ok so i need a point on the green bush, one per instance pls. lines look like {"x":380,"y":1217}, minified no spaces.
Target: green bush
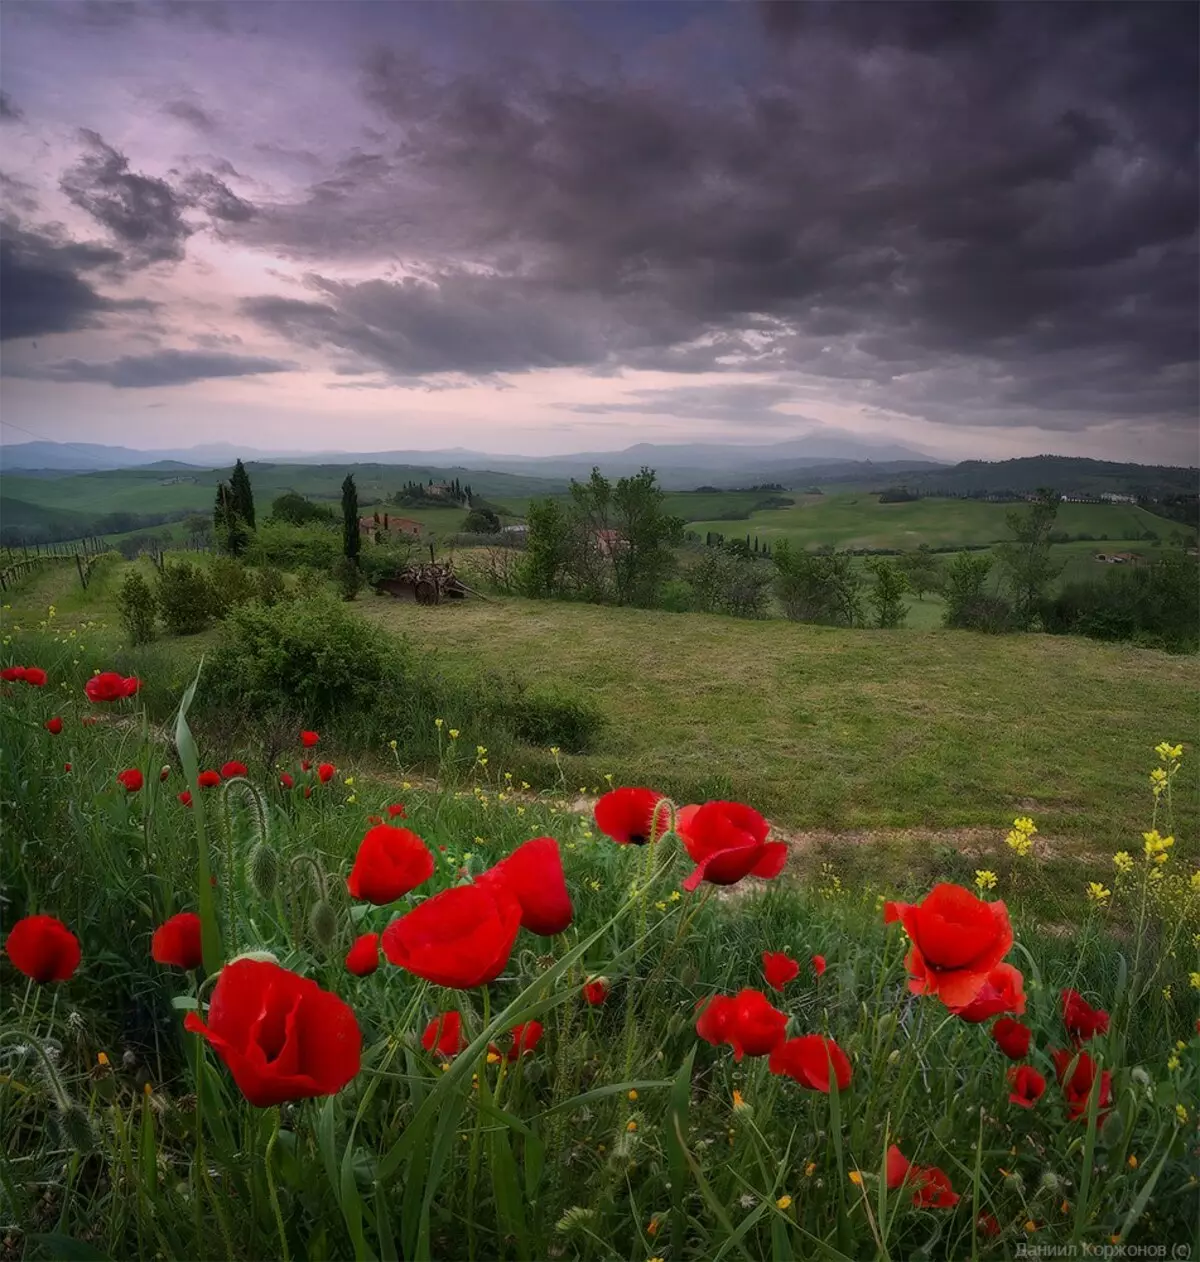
{"x":270,"y":586}
{"x":348,"y":577}
{"x":544,"y":719}
{"x":185,"y":598}
{"x":311,"y":583}
{"x":137,"y":607}
{"x":231,"y":584}
{"x":375,"y":563}
{"x":291,"y":547}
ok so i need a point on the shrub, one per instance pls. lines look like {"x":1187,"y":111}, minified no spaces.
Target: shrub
{"x":482,"y":521}
{"x":731,"y":581}
{"x":555,"y":718}
{"x":968,"y":605}
{"x":231,"y":584}
{"x":291,"y":547}
{"x":185,"y":598}
{"x":136,"y":607}
{"x":311,"y":583}
{"x":382,"y":560}
{"x":270,"y":586}
{"x":348,"y":577}
{"x":887,"y":596}
{"x":294,"y":509}
{"x":817,"y":587}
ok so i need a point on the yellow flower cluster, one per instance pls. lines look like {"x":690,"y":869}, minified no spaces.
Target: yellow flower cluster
{"x":1156,"y":846}
{"x":985,"y":880}
{"x":1098,"y":894}
{"x":1020,"y":838}
{"x":1123,"y":862}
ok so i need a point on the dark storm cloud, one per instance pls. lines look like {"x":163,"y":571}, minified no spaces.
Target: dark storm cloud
{"x":9,"y":113}
{"x":892,"y":188}
{"x":216,"y":198}
{"x":188,"y":112}
{"x":144,"y":213}
{"x":42,"y":286}
{"x":160,"y":368}
{"x":749,"y":403}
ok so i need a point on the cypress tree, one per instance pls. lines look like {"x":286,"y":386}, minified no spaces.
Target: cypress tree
{"x":243,"y":494}
{"x":351,"y":542}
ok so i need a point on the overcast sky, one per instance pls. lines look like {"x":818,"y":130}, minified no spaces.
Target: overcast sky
{"x":552,"y":227}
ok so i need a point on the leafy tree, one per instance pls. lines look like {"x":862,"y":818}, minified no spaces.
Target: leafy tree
{"x":543,"y":568}
{"x":968,"y":604}
{"x":198,"y":529}
{"x":482,"y":521}
{"x":724,"y":582}
{"x":921,"y":570}
{"x":230,"y":529}
{"x":643,"y":554}
{"x":243,"y":494}
{"x":293,"y":508}
{"x":351,"y":540}
{"x":817,"y":586}
{"x":136,"y":607}
{"x":887,"y":596}
{"x":185,"y":598}
{"x":1026,"y":562}
{"x":348,"y":577}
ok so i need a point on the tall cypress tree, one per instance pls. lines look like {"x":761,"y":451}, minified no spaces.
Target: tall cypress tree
{"x":351,"y":541}
{"x":243,"y":494}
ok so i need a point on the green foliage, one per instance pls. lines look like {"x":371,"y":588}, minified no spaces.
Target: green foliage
{"x":542,"y":570}
{"x":922,"y":571}
{"x":137,"y":608}
{"x":351,"y":537}
{"x":270,"y":586}
{"x":1026,"y":563}
{"x":231,"y":584}
{"x":292,"y":547}
{"x":886,"y":597}
{"x":296,"y":510}
{"x":242,"y":494}
{"x":229,"y":526}
{"x":817,"y":587}
{"x":385,"y":559}
{"x":482,"y":521}
{"x":969,"y":605}
{"x":547,"y":718}
{"x":347,"y":577}
{"x":185,"y":598}
{"x":724,"y":582}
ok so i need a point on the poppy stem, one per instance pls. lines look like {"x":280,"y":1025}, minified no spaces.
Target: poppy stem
{"x":283,"y":1245}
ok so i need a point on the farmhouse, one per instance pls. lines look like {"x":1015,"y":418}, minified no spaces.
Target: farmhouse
{"x":390,"y":525}
{"x":1118,"y":558}
{"x":607,"y":541}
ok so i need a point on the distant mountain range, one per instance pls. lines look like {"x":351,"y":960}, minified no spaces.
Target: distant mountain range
{"x":678,"y":464}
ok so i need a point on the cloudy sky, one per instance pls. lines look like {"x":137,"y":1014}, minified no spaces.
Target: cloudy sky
{"x":552,"y":227}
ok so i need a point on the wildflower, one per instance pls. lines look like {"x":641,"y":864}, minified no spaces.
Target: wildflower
{"x":660,"y":905}
{"x":1156,"y":847}
{"x":131,"y":779}
{"x":1168,"y":753}
{"x":985,"y":880}
{"x":493,"y":1058}
{"x":674,"y":896}
{"x":325,"y":772}
{"x":286,"y":781}
{"x":43,"y":948}
{"x":818,"y":963}
{"x":1123,"y":861}
{"x":110,"y":686}
{"x":438,"y":723}
{"x":808,"y":1169}
{"x":779,"y":969}
{"x":390,"y":862}
{"x":185,"y":797}
{"x":746,"y":1021}
{"x":554,"y":750}
{"x":957,"y":940}
{"x":1076,"y":1075}
{"x":1098,"y":894}
{"x":856,"y":1178}
{"x":233,"y":768}
{"x":1172,"y":1062}
{"x":931,"y":1185}
{"x":317,"y":1048}
{"x":784,"y":1202}
{"x":525,"y":1038}
{"x":348,"y":781}
{"x":454,"y":733}
{"x":1194,"y":981}
{"x":392,"y":745}
{"x":631,"y":1125}
{"x":594,"y":886}
{"x":1027,"y":1086}
{"x":54,"y":726}
{"x":1001,"y":992}
{"x":444,"y":1033}
{"x":461,"y":937}
{"x":632,"y":816}
{"x":1030,"y":1226}
{"x":208,"y":779}
{"x":533,"y":875}
{"x":1181,"y":1113}
{"x":363,"y":957}
{"x":739,"y":1102}
{"x":480,"y":750}
{"x":728,"y":841}
{"x":1081,"y":1019}
{"x":1012,"y":1038}
{"x":177,"y":941}
{"x":352,"y":799}
{"x":811,"y":1060}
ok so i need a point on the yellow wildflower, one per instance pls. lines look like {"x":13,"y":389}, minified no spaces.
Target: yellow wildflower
{"x":808,"y":1169}
{"x":1030,"y":1226}
{"x":352,"y":799}
{"x":1132,"y":1163}
{"x":1168,"y":753}
{"x":1156,"y":847}
{"x":147,"y":1090}
{"x":493,"y":1058}
{"x":856,"y":1178}
{"x":631,"y":1125}
{"x":656,"y":1258}
{"x":1097,"y":893}
{"x":633,"y":1095}
{"x":348,"y":780}
{"x":1123,"y":861}
{"x":102,"y":1058}
{"x":784,"y":1202}
{"x":674,"y":896}
{"x":554,"y":750}
{"x":594,"y":886}
{"x":1181,"y":1113}
{"x":984,"y":880}
{"x":1166,"y":993}
{"x":438,"y":723}
{"x":661,"y":905}
{"x":1195,"y":881}
{"x":392,"y":745}
{"x":739,"y":1101}
{"x":1194,"y":980}
{"x":1172,"y":1062}
{"x":480,"y":750}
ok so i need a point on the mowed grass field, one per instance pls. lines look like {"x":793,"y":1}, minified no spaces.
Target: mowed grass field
{"x":843,"y":731}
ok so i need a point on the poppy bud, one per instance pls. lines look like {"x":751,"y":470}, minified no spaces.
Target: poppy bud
{"x":322,"y":921}
{"x":264,"y":870}
{"x":894,"y":1056}
{"x":1050,"y":1182}
{"x":1015,"y":1182}
{"x":885,"y":1023}
{"x":74,"y":1128}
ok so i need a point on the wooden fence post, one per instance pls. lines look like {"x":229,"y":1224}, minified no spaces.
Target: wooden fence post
{"x":82,"y":572}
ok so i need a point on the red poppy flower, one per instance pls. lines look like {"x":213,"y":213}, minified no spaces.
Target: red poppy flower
{"x":305,"y":765}
{"x":308,"y":790}
{"x":444,"y":1034}
{"x":1077,"y":1076}
{"x":957,"y":939}
{"x":534,"y":875}
{"x":281,"y":1036}
{"x":931,"y":1187}
{"x":110,"y":686}
{"x":325,"y":772}
{"x":746,"y":1021}
{"x":728,"y":841}
{"x":1027,"y":1085}
{"x":525,"y":1038}
{"x":1012,"y":1038}
{"x":633,"y":816}
{"x":818,"y":963}
{"x":131,"y":779}
{"x":233,"y":768}
{"x":988,"y":1224}
{"x":54,"y":725}
{"x":177,"y":941}
{"x":208,"y":779}
{"x":185,"y":797}
{"x":13,"y":674}
{"x":374,"y":819}
{"x":779,"y":969}
{"x":1081,"y":1019}
{"x":808,"y":1060}
{"x":35,"y":676}
{"x":363,"y":957}
{"x":1002,"y":992}
{"x":596,"y":991}
{"x":389,"y":863}
{"x":308,"y":739}
{"x":286,"y":781}
{"x":43,"y":948}
{"x":461,"y":937}
{"x":164,"y":773}
{"x":66,"y":766}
